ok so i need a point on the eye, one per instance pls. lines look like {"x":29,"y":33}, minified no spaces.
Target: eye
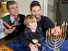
{"x":34,"y":11}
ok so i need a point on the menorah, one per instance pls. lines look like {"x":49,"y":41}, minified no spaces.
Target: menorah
{"x":54,"y":41}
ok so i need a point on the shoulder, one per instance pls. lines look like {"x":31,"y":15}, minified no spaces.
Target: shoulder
{"x":46,"y":18}
{"x":48,"y":22}
{"x":39,"y":29}
{"x":21,"y":15}
{"x":27,"y":30}
{"x":6,"y":17}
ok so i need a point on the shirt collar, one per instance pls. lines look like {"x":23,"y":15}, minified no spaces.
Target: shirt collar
{"x":12,"y":19}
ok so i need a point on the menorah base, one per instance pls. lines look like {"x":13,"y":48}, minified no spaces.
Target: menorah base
{"x":56,"y":49}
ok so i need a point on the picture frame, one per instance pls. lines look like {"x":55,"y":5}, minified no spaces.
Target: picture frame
{"x":64,"y":1}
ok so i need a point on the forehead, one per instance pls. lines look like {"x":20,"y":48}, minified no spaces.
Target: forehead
{"x":32,"y":20}
{"x":36,"y":8}
{"x":13,"y":5}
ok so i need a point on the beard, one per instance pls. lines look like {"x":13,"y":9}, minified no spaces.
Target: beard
{"x":38,"y":18}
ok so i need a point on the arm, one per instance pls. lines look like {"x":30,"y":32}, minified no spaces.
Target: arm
{"x":5,"y":33}
{"x":18,"y":28}
{"x":25,"y":39}
{"x":2,"y":35}
{"x":2,"y":32}
{"x":27,"y":35}
{"x":33,"y":47}
{"x":48,"y":23}
{"x":41,"y":35}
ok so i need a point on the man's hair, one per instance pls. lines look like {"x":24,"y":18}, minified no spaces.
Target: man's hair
{"x":34,"y":3}
{"x":10,"y":3}
{"x":28,"y":19}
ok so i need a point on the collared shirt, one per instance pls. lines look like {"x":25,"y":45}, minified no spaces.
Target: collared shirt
{"x":13,"y":20}
{"x":2,"y":35}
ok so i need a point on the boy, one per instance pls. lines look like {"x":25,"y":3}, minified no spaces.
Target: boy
{"x":33,"y":35}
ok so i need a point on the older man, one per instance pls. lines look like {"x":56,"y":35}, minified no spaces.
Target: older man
{"x":15,"y":21}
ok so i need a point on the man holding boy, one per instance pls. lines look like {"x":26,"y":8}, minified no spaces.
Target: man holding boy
{"x":32,"y":37}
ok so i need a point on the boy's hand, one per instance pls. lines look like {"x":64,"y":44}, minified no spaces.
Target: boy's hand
{"x":37,"y":44}
{"x":35,"y":40}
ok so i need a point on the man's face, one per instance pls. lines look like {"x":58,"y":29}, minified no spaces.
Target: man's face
{"x":13,"y":10}
{"x":36,"y":11}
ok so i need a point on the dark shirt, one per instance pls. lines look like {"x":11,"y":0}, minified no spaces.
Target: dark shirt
{"x":45,"y":23}
{"x":29,"y":35}
{"x":18,"y":29}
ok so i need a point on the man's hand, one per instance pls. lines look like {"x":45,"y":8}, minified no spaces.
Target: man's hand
{"x":7,"y":31}
{"x":33,"y":47}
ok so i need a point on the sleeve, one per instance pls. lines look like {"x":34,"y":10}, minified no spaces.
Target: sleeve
{"x":27,"y":36}
{"x":48,"y":23}
{"x":2,"y":35}
{"x":25,"y":39}
{"x":41,"y":36}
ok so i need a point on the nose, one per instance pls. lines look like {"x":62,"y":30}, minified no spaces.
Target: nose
{"x":37,"y":12}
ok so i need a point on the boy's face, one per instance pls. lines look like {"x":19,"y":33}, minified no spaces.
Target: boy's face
{"x":33,"y":25}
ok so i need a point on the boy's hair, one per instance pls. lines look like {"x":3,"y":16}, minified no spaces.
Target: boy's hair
{"x":10,"y":3}
{"x":28,"y":19}
{"x":34,"y":3}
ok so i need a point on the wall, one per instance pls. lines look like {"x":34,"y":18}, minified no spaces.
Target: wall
{"x":24,"y":6}
{"x":61,"y":11}
{"x":64,"y":11}
{"x":51,"y":10}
